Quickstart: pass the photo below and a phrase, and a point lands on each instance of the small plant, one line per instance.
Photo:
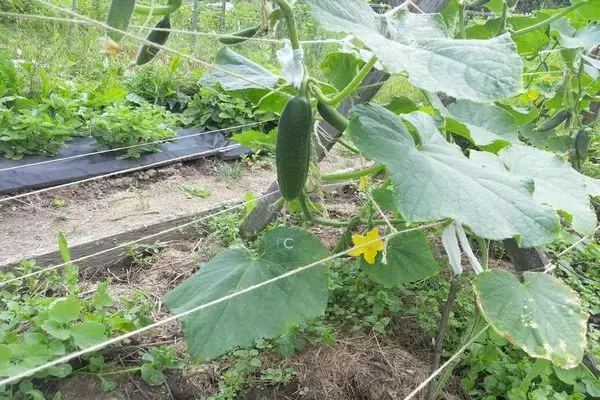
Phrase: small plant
(33, 131)
(163, 86)
(214, 109)
(144, 255)
(231, 171)
(123, 125)
(194, 191)
(41, 319)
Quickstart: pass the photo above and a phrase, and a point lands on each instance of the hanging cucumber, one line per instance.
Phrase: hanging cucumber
(332, 116)
(148, 52)
(242, 35)
(582, 144)
(170, 8)
(119, 16)
(293, 146)
(555, 121)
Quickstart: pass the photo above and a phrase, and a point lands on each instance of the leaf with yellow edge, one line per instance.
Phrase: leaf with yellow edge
(541, 315)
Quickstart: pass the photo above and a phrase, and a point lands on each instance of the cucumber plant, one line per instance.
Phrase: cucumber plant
(507, 179)
(499, 184)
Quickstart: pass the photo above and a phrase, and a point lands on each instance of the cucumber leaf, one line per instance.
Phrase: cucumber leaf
(541, 315)
(433, 180)
(479, 70)
(408, 259)
(556, 184)
(264, 312)
(487, 123)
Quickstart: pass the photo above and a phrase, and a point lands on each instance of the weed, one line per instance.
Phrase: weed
(144, 255)
(230, 171)
(194, 191)
(45, 318)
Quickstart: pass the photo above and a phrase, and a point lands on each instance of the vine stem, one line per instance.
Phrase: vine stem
(345, 176)
(338, 224)
(287, 11)
(553, 18)
(436, 357)
(350, 88)
(462, 32)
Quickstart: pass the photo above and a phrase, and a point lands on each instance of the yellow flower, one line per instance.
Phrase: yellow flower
(532, 94)
(364, 182)
(367, 245)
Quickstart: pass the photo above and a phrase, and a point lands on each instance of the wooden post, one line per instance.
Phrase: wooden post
(195, 17)
(74, 5)
(223, 14)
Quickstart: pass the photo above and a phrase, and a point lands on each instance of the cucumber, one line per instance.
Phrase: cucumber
(148, 52)
(119, 16)
(243, 35)
(332, 116)
(292, 155)
(556, 120)
(582, 144)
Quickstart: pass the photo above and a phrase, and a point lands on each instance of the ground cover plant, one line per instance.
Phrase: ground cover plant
(493, 149)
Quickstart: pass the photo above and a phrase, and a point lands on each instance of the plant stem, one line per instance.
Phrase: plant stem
(484, 246)
(472, 331)
(436, 357)
(353, 174)
(287, 11)
(350, 88)
(462, 33)
(337, 224)
(348, 146)
(503, 18)
(553, 18)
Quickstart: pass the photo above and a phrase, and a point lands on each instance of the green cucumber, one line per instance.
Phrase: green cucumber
(582, 144)
(148, 52)
(243, 35)
(170, 8)
(292, 156)
(332, 116)
(555, 121)
(119, 16)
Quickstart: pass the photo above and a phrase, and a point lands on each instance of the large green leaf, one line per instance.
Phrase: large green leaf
(433, 180)
(571, 38)
(533, 41)
(479, 70)
(340, 68)
(408, 259)
(487, 123)
(239, 67)
(541, 315)
(263, 312)
(556, 183)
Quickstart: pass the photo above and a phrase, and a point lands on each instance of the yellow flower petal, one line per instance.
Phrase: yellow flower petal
(365, 181)
(373, 234)
(356, 252)
(370, 255)
(533, 94)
